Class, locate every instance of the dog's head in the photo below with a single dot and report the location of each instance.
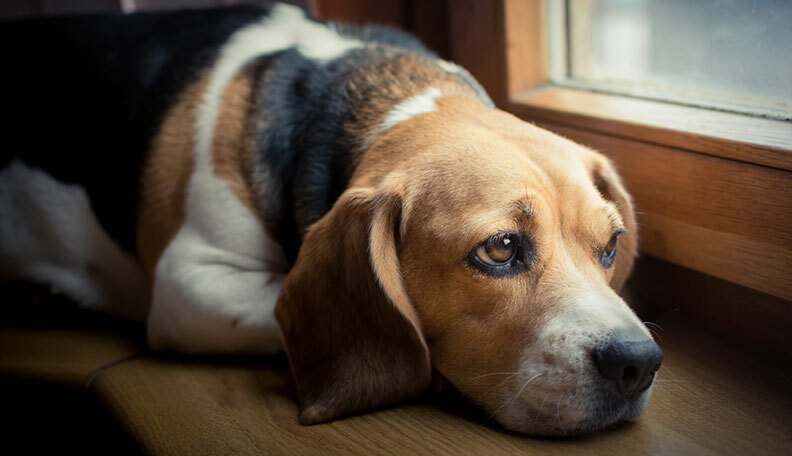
(487, 249)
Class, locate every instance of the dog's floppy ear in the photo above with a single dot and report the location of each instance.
(610, 186)
(353, 339)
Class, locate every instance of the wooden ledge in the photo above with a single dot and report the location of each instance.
(46, 337)
(67, 357)
(739, 137)
(712, 397)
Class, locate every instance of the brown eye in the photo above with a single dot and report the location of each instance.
(498, 251)
(505, 254)
(609, 252)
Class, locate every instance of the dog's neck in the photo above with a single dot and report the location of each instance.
(317, 119)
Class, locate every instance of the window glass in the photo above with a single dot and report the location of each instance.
(727, 54)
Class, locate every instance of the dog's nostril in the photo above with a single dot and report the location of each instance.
(630, 364)
(630, 372)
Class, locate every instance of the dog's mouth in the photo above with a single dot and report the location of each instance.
(602, 414)
(570, 408)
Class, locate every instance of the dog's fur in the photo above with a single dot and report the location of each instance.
(238, 158)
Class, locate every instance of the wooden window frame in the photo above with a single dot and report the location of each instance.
(516, 72)
(713, 189)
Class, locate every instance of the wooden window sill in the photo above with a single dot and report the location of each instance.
(739, 137)
(712, 397)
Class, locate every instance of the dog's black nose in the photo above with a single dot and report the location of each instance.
(630, 360)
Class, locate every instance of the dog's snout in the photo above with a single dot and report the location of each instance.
(630, 360)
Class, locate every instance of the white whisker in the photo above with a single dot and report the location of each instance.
(539, 410)
(558, 409)
(497, 373)
(515, 396)
(524, 385)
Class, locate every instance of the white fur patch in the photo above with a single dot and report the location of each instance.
(219, 279)
(449, 67)
(284, 28)
(453, 68)
(422, 103)
(49, 234)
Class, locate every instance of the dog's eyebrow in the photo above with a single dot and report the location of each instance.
(527, 212)
(524, 208)
(614, 217)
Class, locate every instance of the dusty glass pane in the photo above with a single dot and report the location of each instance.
(732, 54)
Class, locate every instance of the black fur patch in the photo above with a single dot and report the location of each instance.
(83, 96)
(305, 145)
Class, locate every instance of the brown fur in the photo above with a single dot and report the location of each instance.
(167, 172)
(386, 88)
(353, 340)
(166, 176)
(447, 180)
(232, 147)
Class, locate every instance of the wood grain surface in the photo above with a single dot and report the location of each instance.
(46, 337)
(477, 42)
(711, 398)
(740, 137)
(63, 356)
(657, 288)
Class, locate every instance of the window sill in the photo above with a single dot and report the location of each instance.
(739, 137)
(713, 396)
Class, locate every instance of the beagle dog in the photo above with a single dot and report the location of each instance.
(249, 180)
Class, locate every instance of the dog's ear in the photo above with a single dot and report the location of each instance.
(609, 184)
(353, 339)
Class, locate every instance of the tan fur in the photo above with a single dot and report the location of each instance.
(168, 170)
(386, 91)
(232, 148)
(166, 176)
(461, 174)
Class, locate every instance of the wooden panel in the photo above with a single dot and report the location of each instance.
(526, 44)
(712, 397)
(750, 139)
(477, 41)
(658, 288)
(62, 356)
(361, 11)
(728, 219)
(428, 19)
(45, 336)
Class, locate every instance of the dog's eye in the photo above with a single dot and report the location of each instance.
(496, 251)
(608, 255)
(503, 255)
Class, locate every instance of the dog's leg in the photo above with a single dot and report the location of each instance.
(49, 235)
(213, 301)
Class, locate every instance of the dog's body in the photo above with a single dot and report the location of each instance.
(180, 167)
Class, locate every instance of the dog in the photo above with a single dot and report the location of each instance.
(249, 180)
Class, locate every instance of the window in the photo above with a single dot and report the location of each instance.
(731, 55)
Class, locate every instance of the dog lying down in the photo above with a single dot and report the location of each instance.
(248, 180)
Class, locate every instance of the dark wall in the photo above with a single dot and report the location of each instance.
(425, 18)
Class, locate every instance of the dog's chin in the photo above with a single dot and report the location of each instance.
(575, 418)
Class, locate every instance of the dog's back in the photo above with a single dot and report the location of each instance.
(85, 99)
(83, 95)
